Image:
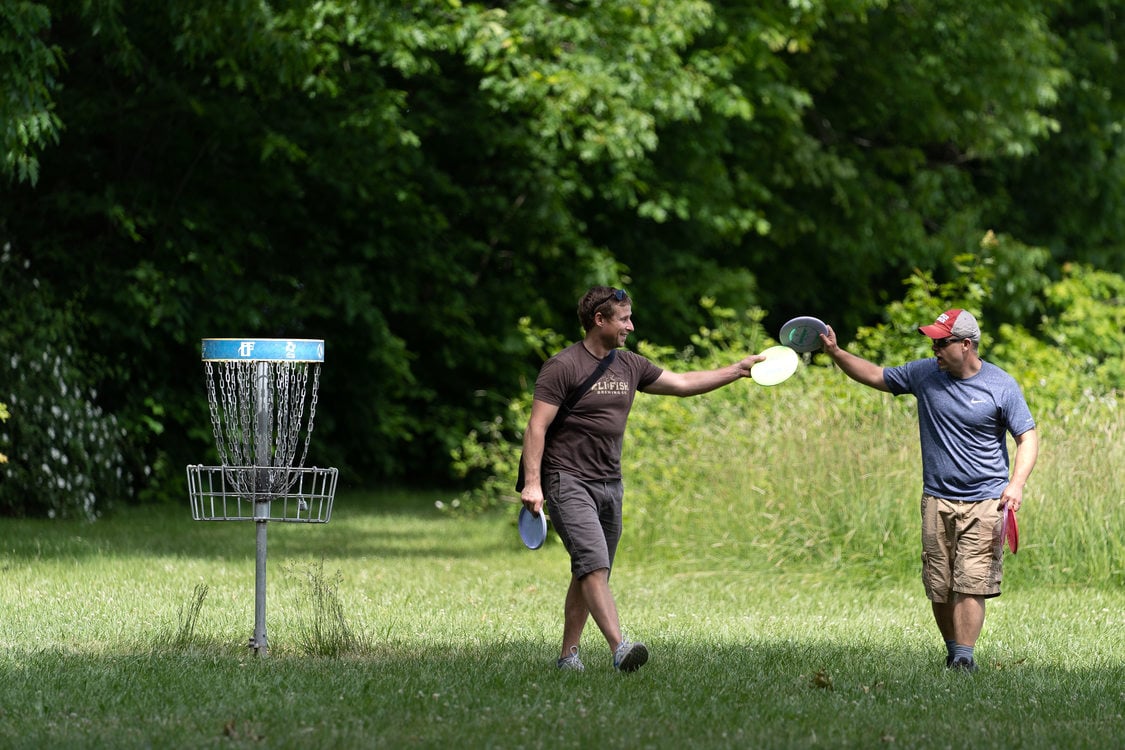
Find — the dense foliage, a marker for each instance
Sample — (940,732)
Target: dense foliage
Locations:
(410,180)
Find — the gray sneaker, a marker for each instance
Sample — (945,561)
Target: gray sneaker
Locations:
(571,662)
(630,656)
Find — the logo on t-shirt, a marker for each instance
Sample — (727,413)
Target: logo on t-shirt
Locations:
(610,385)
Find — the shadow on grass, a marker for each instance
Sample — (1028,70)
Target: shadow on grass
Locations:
(362,530)
(508,694)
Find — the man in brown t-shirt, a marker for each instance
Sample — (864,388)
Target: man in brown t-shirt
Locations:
(580,480)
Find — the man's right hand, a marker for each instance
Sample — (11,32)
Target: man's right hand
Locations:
(532,497)
(828,341)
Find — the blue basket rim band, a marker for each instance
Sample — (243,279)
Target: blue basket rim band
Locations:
(262,350)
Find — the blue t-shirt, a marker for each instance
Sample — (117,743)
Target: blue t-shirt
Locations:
(962,424)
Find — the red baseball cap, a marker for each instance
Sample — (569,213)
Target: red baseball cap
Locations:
(953,322)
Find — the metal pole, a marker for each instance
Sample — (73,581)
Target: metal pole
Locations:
(262,435)
(259,642)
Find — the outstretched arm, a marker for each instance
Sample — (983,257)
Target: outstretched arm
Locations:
(701,381)
(856,368)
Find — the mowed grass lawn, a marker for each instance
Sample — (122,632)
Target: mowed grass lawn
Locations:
(450,630)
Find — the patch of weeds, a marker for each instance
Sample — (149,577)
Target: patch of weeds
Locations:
(182,635)
(323,629)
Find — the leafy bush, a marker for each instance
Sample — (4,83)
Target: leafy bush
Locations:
(65,455)
(1079,356)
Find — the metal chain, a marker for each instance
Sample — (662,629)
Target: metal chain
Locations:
(221,411)
(216,424)
(288,422)
(234,420)
(312,409)
(240,402)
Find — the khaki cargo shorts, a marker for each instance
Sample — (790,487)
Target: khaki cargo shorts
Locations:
(962,548)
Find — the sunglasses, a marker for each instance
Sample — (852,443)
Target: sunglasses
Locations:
(618,294)
(942,343)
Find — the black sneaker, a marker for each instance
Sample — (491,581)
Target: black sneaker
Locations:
(962,664)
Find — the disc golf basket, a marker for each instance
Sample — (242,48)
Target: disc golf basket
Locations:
(258,390)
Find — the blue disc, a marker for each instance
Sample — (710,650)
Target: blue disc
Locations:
(533,529)
(269,350)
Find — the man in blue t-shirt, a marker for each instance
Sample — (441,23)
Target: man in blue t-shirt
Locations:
(966,409)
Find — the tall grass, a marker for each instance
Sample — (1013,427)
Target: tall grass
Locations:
(1074,526)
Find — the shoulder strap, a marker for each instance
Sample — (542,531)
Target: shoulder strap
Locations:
(580,391)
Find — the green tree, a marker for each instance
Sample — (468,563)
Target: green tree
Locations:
(29,70)
(1068,197)
(908,103)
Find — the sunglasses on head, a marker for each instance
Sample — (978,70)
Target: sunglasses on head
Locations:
(618,294)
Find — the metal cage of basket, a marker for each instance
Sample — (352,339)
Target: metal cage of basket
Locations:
(225,493)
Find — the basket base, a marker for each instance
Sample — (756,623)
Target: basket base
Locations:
(261,493)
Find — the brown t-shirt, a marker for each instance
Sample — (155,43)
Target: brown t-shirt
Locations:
(588,442)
